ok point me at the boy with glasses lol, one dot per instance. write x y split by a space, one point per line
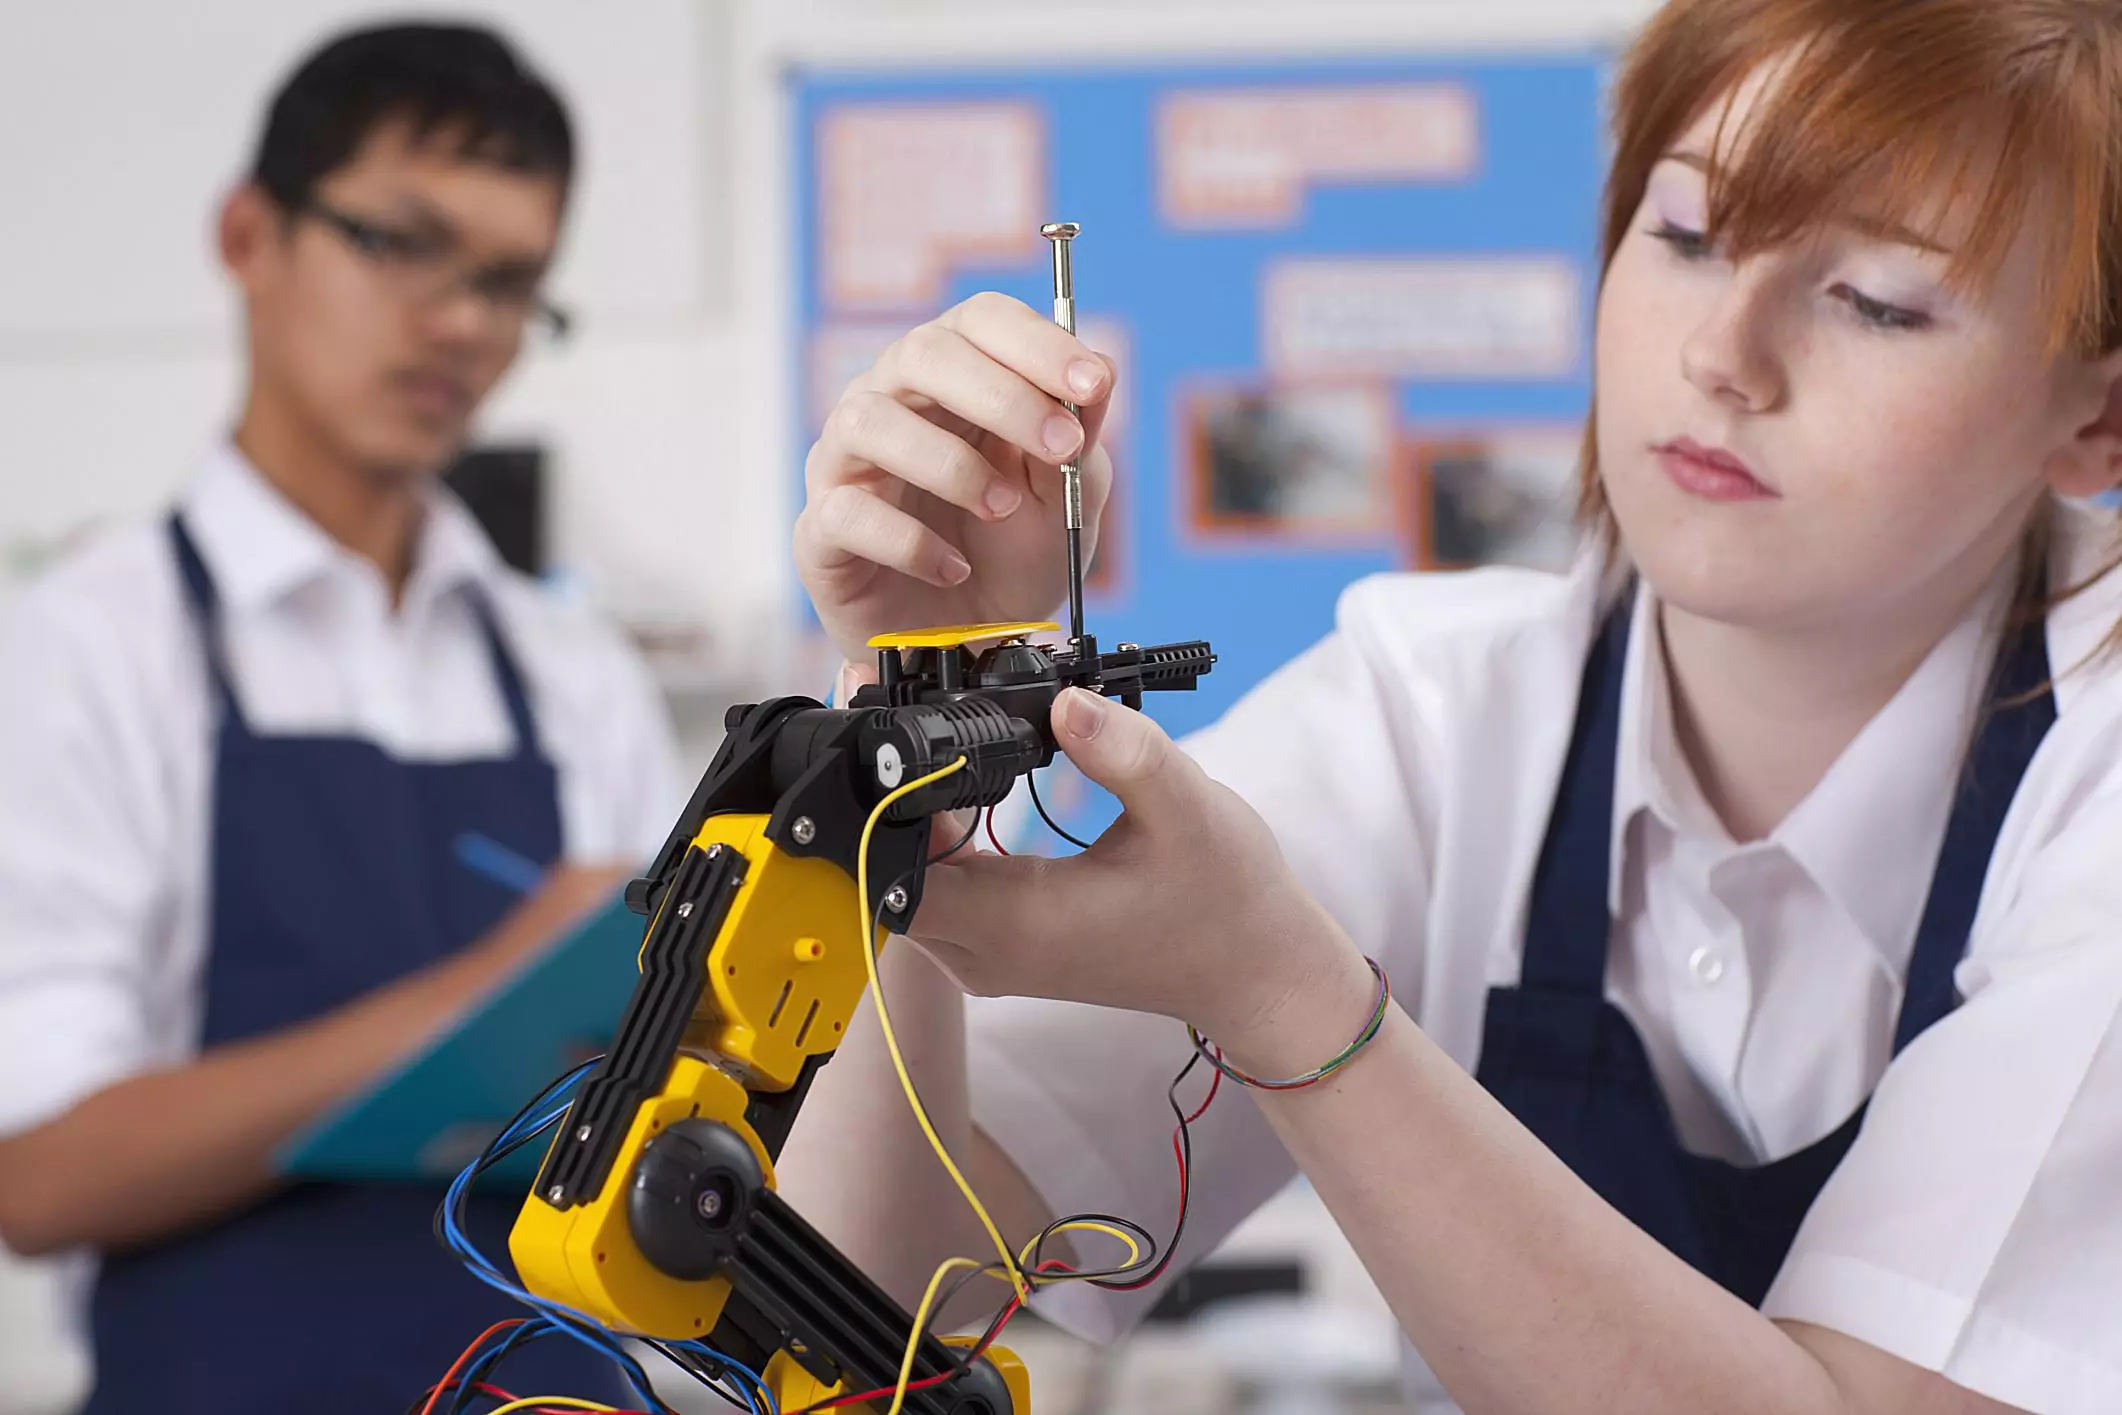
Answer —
243 749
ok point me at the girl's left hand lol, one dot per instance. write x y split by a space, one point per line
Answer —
1184 907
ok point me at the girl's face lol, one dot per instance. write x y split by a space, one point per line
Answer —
1824 435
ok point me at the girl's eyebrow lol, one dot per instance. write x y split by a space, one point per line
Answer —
1863 225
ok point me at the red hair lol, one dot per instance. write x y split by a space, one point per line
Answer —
1883 109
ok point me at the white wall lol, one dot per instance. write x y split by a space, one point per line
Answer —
122 120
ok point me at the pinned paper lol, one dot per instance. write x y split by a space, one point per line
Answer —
1422 317
1245 157
908 192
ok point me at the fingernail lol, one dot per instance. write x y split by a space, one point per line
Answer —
1086 377
1082 713
956 569
1062 434
1002 499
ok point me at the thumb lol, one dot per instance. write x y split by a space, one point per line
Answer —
1124 751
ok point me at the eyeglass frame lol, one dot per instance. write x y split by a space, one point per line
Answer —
374 240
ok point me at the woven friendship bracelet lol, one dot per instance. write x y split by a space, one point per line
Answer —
1213 1054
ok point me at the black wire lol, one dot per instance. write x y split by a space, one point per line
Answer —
704 1369
1186 1197
876 917
487 1365
1148 1251
1033 781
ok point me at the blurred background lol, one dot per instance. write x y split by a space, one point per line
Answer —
1343 250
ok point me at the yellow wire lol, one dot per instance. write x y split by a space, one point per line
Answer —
1134 1248
913 1342
561 1402
891 1041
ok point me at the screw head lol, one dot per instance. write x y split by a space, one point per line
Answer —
1060 230
805 830
685 910
555 1194
582 1136
895 900
710 1203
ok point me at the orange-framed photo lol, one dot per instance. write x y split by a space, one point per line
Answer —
1500 495
1296 462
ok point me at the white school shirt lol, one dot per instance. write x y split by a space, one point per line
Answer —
107 747
1407 764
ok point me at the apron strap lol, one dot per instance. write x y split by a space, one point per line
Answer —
205 604
1566 936
513 693
2018 717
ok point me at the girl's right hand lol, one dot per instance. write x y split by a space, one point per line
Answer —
934 493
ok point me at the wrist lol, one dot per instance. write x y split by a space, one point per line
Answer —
1325 1007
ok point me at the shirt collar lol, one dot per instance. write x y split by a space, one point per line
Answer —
261 547
1901 768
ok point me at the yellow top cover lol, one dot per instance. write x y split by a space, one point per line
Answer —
957 634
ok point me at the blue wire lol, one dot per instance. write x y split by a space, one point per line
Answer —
758 1382
558 1316
563 1318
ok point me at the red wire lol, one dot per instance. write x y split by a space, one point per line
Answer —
449 1377
1179 1156
1215 1080
991 834
883 1392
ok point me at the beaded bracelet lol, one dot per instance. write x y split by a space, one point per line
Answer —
1213 1054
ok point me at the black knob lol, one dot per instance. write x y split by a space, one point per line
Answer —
694 1190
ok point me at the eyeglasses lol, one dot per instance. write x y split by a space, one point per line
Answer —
426 268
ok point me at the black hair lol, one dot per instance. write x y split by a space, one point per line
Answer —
461 82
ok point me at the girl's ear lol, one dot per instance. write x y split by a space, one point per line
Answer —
2092 463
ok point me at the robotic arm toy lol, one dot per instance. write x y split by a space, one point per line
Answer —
655 1210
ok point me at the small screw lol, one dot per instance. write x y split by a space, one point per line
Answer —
685 910
805 830
710 1203
1130 648
582 1136
895 900
555 1194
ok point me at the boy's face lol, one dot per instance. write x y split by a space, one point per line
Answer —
383 311
1893 434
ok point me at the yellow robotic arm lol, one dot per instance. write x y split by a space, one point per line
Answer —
655 1210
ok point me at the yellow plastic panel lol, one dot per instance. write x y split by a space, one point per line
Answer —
958 634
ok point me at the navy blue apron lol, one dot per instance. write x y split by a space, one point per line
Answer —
333 873
1567 1063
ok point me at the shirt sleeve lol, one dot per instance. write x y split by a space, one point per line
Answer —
85 846
1975 1228
647 789
620 785
1077 1096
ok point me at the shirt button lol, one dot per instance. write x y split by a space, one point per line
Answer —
1705 964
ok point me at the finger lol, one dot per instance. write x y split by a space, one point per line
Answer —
1128 754
869 432
937 364
852 528
1019 337
991 901
1094 462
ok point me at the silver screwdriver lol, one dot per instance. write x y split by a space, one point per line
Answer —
1060 233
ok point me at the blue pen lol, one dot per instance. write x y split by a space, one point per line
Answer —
487 856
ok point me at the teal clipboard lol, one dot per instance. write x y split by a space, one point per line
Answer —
432 1114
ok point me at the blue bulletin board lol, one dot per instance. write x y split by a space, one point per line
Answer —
1352 303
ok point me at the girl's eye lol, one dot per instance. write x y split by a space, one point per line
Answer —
1688 245
1877 314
